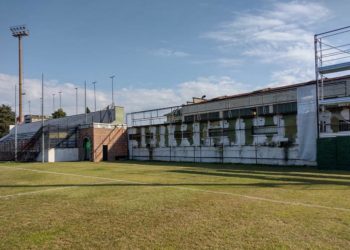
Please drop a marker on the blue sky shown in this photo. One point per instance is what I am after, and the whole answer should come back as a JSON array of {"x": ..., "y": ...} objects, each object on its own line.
[{"x": 163, "y": 52}]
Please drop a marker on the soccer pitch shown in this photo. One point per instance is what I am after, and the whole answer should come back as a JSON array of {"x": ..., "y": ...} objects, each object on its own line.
[{"x": 148, "y": 205}]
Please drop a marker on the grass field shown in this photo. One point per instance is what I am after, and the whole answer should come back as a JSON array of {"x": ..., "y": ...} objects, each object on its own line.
[{"x": 133, "y": 205}]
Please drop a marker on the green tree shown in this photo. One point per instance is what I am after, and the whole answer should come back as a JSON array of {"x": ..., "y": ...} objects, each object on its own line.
[
  {"x": 58, "y": 113},
  {"x": 7, "y": 117},
  {"x": 87, "y": 110}
]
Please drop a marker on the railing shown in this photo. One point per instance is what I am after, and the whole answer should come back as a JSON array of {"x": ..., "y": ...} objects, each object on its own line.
[{"x": 30, "y": 151}]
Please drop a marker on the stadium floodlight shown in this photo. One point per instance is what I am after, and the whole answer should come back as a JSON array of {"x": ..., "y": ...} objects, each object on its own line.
[
  {"x": 94, "y": 83},
  {"x": 112, "y": 77},
  {"x": 18, "y": 32}
]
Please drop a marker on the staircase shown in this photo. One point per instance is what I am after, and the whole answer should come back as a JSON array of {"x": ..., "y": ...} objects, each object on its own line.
[{"x": 31, "y": 149}]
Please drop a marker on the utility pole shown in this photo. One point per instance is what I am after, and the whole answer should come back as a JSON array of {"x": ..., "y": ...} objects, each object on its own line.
[
  {"x": 76, "y": 101},
  {"x": 94, "y": 83},
  {"x": 85, "y": 102},
  {"x": 16, "y": 122},
  {"x": 42, "y": 121},
  {"x": 60, "y": 94},
  {"x": 30, "y": 113},
  {"x": 112, "y": 77},
  {"x": 19, "y": 31},
  {"x": 53, "y": 103}
]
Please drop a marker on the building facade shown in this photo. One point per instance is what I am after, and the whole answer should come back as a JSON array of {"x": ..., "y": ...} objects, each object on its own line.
[
  {"x": 269, "y": 126},
  {"x": 96, "y": 136}
]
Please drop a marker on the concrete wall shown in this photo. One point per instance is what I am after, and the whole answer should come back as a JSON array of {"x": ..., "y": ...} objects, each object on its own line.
[
  {"x": 60, "y": 155},
  {"x": 237, "y": 145}
]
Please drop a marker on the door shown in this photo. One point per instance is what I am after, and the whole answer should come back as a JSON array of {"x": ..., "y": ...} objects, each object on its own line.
[{"x": 105, "y": 152}]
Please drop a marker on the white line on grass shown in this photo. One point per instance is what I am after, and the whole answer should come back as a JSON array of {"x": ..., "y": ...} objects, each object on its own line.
[
  {"x": 33, "y": 192},
  {"x": 193, "y": 189}
]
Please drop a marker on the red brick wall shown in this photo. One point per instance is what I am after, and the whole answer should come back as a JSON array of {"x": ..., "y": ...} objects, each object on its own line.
[{"x": 116, "y": 140}]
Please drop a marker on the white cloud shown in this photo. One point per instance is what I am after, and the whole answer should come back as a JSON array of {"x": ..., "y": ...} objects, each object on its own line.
[
  {"x": 32, "y": 88},
  {"x": 133, "y": 99},
  {"x": 141, "y": 99},
  {"x": 290, "y": 76},
  {"x": 222, "y": 62},
  {"x": 281, "y": 35},
  {"x": 163, "y": 52}
]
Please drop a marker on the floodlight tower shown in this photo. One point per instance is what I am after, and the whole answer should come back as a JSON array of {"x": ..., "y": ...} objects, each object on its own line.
[{"x": 19, "y": 31}]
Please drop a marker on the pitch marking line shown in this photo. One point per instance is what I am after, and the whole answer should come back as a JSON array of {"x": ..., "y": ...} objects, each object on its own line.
[
  {"x": 33, "y": 192},
  {"x": 192, "y": 189}
]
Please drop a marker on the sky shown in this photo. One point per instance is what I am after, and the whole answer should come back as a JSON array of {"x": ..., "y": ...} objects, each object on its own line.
[{"x": 163, "y": 53}]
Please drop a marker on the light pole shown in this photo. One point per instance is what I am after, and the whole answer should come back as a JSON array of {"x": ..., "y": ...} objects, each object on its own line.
[
  {"x": 112, "y": 77},
  {"x": 53, "y": 102},
  {"x": 16, "y": 122},
  {"x": 76, "y": 101},
  {"x": 85, "y": 102},
  {"x": 29, "y": 107},
  {"x": 94, "y": 83},
  {"x": 19, "y": 31},
  {"x": 60, "y": 93},
  {"x": 42, "y": 120}
]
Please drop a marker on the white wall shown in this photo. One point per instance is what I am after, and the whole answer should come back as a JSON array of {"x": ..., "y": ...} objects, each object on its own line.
[{"x": 60, "y": 155}]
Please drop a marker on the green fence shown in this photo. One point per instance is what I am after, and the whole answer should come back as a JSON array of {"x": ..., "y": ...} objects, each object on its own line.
[{"x": 334, "y": 153}]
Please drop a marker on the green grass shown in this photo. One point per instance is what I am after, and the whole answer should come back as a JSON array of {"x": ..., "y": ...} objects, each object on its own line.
[{"x": 148, "y": 205}]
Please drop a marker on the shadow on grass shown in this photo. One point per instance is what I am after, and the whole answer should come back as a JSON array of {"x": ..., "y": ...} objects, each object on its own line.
[
  {"x": 288, "y": 179},
  {"x": 293, "y": 171},
  {"x": 142, "y": 185},
  {"x": 235, "y": 166}
]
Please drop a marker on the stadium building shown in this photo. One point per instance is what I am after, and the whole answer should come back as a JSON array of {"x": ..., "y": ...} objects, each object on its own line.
[
  {"x": 94, "y": 136},
  {"x": 269, "y": 126}
]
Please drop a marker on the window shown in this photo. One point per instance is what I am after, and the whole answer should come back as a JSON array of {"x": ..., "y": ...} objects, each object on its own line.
[
  {"x": 149, "y": 136},
  {"x": 189, "y": 118},
  {"x": 214, "y": 116},
  {"x": 263, "y": 130},
  {"x": 178, "y": 134},
  {"x": 215, "y": 132},
  {"x": 285, "y": 108},
  {"x": 264, "y": 110},
  {"x": 344, "y": 125},
  {"x": 187, "y": 134}
]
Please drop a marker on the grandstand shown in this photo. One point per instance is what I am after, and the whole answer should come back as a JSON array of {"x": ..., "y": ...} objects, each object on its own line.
[{"x": 92, "y": 136}]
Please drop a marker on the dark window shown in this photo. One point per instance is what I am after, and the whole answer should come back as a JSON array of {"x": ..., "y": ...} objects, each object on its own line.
[
  {"x": 285, "y": 108},
  {"x": 344, "y": 125},
  {"x": 203, "y": 117},
  {"x": 149, "y": 136},
  {"x": 263, "y": 110},
  {"x": 215, "y": 132},
  {"x": 263, "y": 130},
  {"x": 189, "y": 118},
  {"x": 214, "y": 116},
  {"x": 178, "y": 134},
  {"x": 134, "y": 137},
  {"x": 187, "y": 134}
]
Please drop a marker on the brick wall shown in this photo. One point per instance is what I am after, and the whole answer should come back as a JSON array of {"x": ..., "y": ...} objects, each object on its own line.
[{"x": 114, "y": 139}]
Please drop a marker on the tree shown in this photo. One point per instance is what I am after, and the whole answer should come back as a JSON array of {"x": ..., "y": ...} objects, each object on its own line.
[
  {"x": 7, "y": 117},
  {"x": 87, "y": 110},
  {"x": 59, "y": 113}
]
